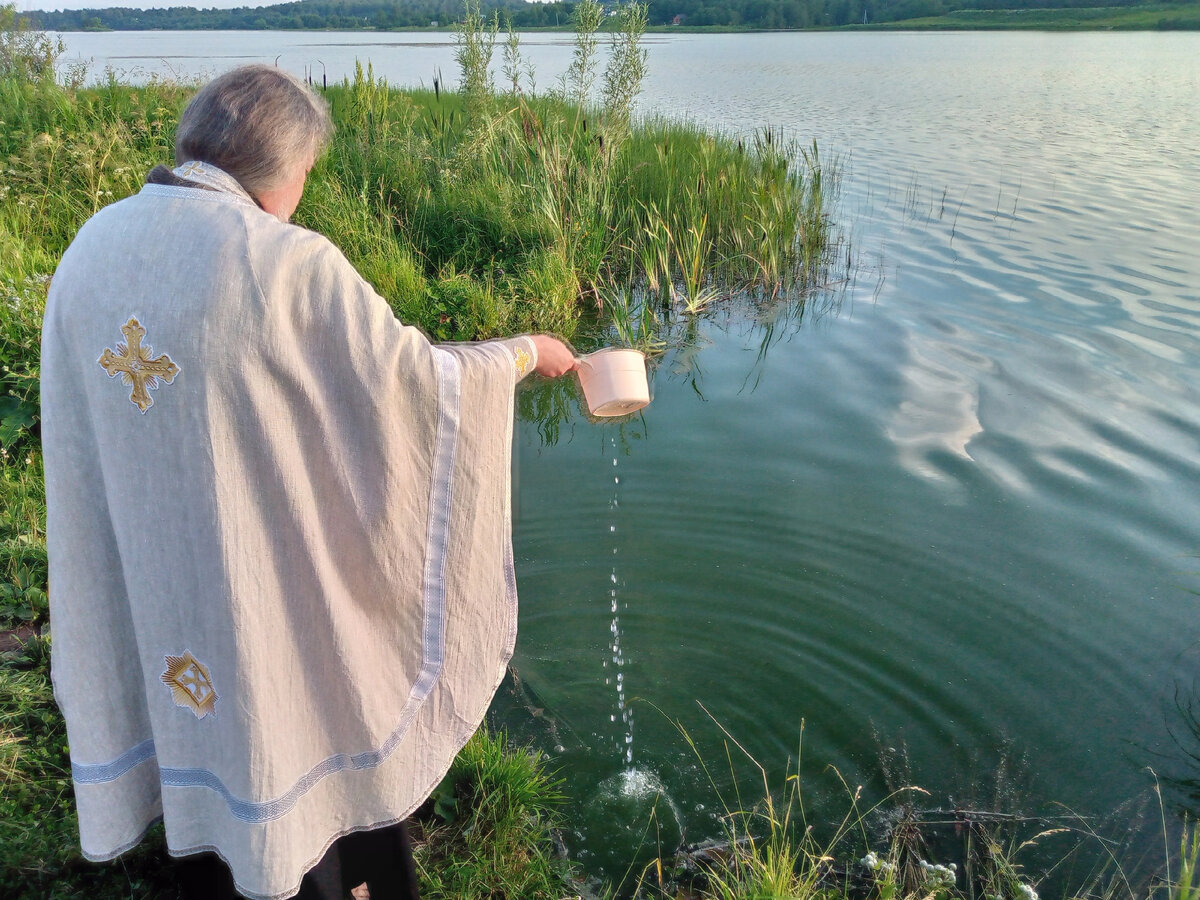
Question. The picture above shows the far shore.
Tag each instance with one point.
(941, 23)
(1164, 17)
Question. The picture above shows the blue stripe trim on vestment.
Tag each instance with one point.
(111, 771)
(441, 496)
(433, 640)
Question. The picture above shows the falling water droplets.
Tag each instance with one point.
(625, 743)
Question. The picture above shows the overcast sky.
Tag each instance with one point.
(25, 5)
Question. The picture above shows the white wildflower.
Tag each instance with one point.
(1028, 892)
(871, 861)
(937, 875)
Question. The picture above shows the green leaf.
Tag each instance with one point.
(16, 416)
(446, 806)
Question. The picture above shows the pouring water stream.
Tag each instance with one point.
(618, 654)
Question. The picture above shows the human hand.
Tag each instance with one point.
(554, 357)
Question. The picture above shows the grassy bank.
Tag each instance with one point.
(895, 840)
(1155, 17)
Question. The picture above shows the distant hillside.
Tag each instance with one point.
(739, 14)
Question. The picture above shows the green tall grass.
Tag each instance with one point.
(553, 205)
(494, 839)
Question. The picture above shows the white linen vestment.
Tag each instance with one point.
(281, 577)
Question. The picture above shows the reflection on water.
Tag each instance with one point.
(940, 408)
(1186, 733)
(1179, 761)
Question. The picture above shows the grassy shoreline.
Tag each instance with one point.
(1159, 17)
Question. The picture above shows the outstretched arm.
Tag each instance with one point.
(554, 358)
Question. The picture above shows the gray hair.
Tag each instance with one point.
(258, 123)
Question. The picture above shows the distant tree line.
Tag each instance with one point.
(332, 14)
(826, 13)
(397, 14)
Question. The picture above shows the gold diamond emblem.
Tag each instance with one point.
(190, 684)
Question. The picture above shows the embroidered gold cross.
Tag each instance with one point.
(133, 363)
(192, 168)
(190, 684)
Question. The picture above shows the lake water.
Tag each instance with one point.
(959, 514)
